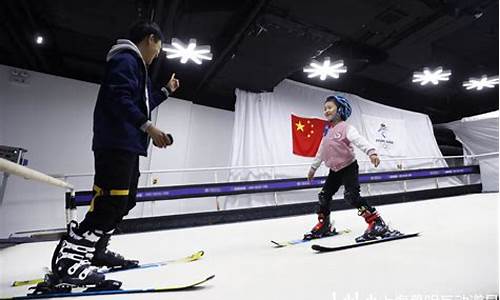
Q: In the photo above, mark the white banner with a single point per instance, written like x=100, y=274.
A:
x=478, y=135
x=387, y=135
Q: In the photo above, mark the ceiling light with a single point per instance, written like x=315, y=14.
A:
x=325, y=69
x=433, y=76
x=39, y=39
x=477, y=14
x=480, y=83
x=188, y=52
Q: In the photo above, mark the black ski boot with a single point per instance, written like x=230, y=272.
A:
x=53, y=285
x=376, y=226
x=106, y=258
x=322, y=229
x=71, y=259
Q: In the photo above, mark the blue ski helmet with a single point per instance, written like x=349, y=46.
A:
x=343, y=107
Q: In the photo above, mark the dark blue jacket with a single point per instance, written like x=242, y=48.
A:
x=121, y=105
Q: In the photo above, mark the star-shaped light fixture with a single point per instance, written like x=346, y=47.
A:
x=480, y=83
x=188, y=52
x=325, y=69
x=434, y=76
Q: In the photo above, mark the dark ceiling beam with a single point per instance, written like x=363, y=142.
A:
x=23, y=50
x=228, y=50
x=452, y=9
x=436, y=112
x=97, y=39
x=286, y=17
x=433, y=4
x=49, y=35
x=28, y=50
x=420, y=24
x=166, y=20
x=166, y=24
x=19, y=44
x=341, y=41
x=445, y=51
x=169, y=22
x=4, y=51
x=144, y=9
x=156, y=10
x=83, y=58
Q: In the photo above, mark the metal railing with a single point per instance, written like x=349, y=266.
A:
x=401, y=163
x=189, y=170
x=27, y=173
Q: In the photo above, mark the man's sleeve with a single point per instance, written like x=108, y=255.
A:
x=158, y=96
x=123, y=80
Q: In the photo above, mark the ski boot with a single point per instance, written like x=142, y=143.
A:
x=71, y=260
x=50, y=285
x=322, y=229
x=376, y=226
x=53, y=285
x=109, y=259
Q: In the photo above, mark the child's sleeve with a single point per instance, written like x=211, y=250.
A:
x=359, y=141
x=317, y=159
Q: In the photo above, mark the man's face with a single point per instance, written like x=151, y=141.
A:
x=152, y=49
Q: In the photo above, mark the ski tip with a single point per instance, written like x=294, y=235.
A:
x=203, y=281
x=210, y=277
x=411, y=234
x=277, y=245
x=198, y=283
x=316, y=247
x=195, y=256
x=26, y=282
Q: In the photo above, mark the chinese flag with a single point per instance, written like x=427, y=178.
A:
x=306, y=135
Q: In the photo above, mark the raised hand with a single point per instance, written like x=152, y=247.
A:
x=173, y=83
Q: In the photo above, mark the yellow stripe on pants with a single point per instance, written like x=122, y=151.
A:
x=100, y=192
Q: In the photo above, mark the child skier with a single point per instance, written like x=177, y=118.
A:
x=337, y=153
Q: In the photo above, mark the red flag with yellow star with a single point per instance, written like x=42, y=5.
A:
x=306, y=135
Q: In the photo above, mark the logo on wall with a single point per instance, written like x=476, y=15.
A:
x=383, y=137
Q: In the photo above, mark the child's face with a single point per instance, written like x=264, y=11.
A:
x=329, y=110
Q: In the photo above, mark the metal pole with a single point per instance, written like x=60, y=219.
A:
x=273, y=176
x=216, y=197
x=3, y=187
x=405, y=185
x=70, y=207
x=368, y=187
x=436, y=179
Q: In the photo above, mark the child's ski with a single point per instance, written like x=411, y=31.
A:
x=300, y=241
x=320, y=248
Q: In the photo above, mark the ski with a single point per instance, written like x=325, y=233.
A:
x=320, y=248
x=93, y=292
x=300, y=241
x=104, y=270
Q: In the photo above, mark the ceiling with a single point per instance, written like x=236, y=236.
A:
x=256, y=44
